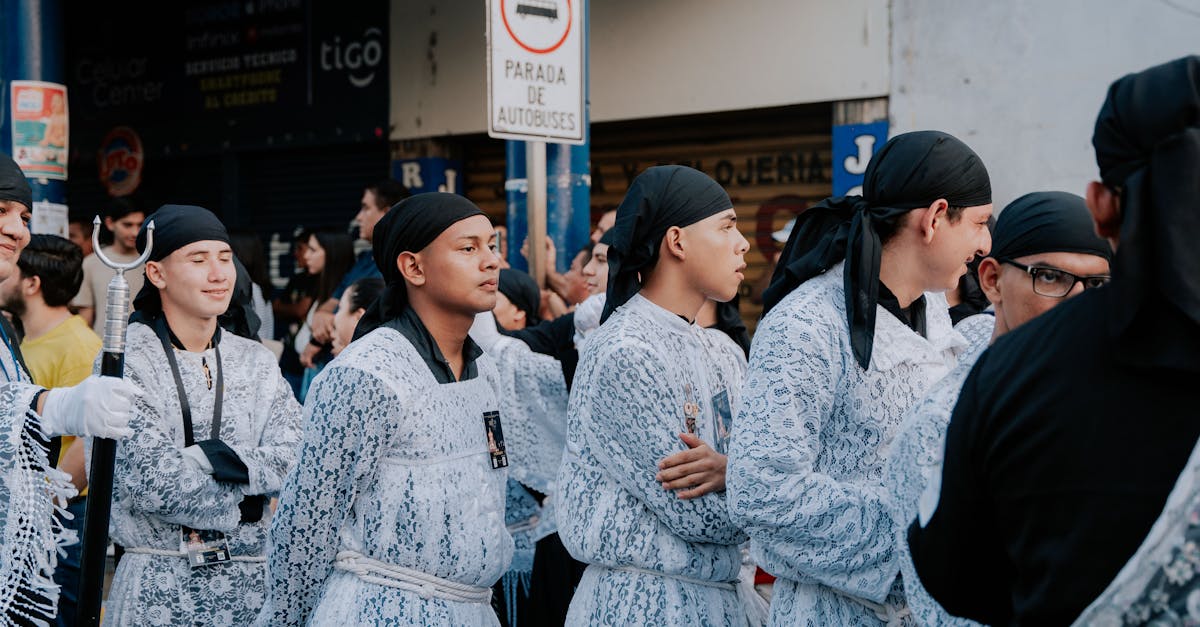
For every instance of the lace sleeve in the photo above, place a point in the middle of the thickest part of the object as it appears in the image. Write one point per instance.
(269, 462)
(632, 425)
(805, 524)
(957, 555)
(152, 475)
(344, 430)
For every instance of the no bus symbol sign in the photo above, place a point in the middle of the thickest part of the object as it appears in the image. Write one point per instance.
(535, 70)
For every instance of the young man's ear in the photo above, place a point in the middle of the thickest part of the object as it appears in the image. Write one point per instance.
(672, 243)
(154, 274)
(989, 279)
(410, 268)
(1105, 205)
(31, 285)
(930, 218)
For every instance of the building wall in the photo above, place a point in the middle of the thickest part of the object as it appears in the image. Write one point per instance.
(649, 58)
(1021, 81)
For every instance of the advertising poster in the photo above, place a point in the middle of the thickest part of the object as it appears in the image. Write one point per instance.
(39, 123)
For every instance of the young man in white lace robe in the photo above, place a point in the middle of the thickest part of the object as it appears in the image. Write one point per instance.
(29, 417)
(395, 512)
(211, 445)
(642, 482)
(1044, 251)
(855, 331)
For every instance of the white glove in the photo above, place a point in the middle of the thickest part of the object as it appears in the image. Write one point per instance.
(97, 407)
(195, 455)
(484, 330)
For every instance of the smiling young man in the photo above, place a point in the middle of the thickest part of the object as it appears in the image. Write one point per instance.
(395, 513)
(30, 416)
(123, 218)
(211, 445)
(646, 402)
(855, 330)
(1044, 251)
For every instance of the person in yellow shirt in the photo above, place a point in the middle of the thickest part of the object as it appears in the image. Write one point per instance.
(59, 349)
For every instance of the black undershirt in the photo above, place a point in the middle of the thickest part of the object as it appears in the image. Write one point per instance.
(912, 316)
(410, 326)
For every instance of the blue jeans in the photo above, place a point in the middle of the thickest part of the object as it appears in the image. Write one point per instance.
(67, 572)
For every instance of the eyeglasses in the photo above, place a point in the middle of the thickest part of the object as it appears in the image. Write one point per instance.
(1057, 283)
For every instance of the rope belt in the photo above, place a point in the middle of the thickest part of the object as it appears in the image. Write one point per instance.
(423, 584)
(891, 616)
(168, 553)
(731, 586)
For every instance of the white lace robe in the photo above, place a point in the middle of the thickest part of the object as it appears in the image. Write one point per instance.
(627, 409)
(533, 403)
(156, 490)
(28, 486)
(394, 466)
(809, 447)
(915, 463)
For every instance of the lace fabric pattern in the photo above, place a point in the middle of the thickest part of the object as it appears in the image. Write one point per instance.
(809, 448)
(915, 466)
(1160, 585)
(533, 398)
(393, 466)
(156, 489)
(644, 377)
(32, 534)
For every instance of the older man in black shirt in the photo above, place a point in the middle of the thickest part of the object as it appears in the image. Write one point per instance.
(1071, 431)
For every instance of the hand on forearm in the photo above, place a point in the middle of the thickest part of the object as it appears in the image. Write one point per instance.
(694, 472)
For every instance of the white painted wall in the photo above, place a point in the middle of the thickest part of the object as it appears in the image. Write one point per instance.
(1021, 81)
(649, 58)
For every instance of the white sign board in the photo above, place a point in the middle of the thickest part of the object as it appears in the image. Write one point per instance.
(535, 70)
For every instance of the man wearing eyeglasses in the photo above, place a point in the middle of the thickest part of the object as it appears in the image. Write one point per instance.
(1071, 431)
(1044, 251)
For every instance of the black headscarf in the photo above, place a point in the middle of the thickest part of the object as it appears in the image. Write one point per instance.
(240, 318)
(1147, 142)
(521, 290)
(175, 226)
(1046, 222)
(13, 184)
(911, 171)
(659, 198)
(410, 226)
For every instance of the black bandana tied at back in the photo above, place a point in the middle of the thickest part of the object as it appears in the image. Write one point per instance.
(521, 290)
(659, 198)
(409, 226)
(175, 226)
(1046, 222)
(13, 184)
(911, 171)
(1147, 142)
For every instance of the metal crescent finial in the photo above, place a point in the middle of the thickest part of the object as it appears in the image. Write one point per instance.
(121, 267)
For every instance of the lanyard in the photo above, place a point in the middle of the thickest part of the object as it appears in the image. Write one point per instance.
(13, 353)
(160, 327)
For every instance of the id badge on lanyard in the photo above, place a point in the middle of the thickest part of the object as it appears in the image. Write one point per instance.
(495, 439)
(204, 547)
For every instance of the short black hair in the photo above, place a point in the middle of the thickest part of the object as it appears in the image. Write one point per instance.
(364, 291)
(58, 263)
(388, 192)
(121, 206)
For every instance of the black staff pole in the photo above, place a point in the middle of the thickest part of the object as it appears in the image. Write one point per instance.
(104, 451)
